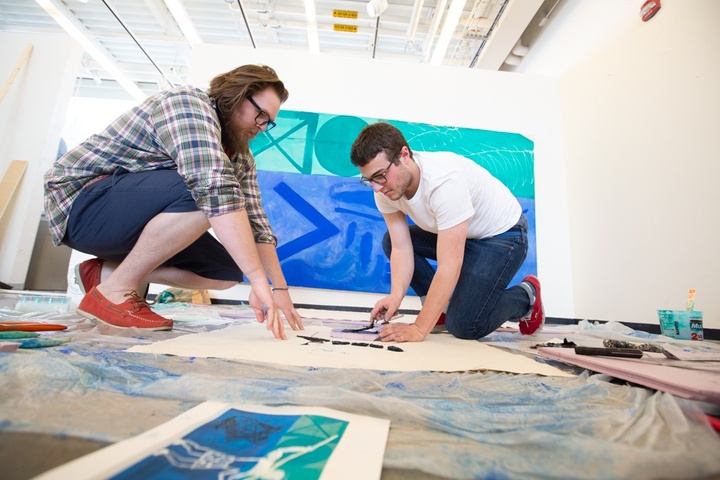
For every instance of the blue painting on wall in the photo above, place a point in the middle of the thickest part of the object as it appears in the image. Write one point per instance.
(328, 227)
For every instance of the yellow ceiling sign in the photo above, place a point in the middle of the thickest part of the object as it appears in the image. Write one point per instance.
(345, 28)
(345, 14)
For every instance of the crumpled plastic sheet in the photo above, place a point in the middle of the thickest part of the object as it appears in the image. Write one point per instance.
(455, 425)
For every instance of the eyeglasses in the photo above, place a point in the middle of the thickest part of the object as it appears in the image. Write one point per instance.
(262, 118)
(379, 178)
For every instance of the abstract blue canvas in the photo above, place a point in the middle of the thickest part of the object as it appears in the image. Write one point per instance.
(328, 228)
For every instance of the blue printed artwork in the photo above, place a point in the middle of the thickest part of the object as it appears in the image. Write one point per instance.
(240, 444)
(328, 227)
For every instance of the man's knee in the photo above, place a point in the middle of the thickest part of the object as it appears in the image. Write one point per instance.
(460, 328)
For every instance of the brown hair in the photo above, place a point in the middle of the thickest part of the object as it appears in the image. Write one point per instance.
(376, 138)
(229, 89)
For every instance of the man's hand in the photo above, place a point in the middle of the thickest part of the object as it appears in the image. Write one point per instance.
(384, 310)
(401, 332)
(283, 300)
(264, 306)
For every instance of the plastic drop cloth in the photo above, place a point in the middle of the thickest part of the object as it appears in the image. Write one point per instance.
(454, 425)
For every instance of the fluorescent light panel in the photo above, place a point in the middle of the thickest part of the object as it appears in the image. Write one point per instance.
(64, 19)
(312, 32)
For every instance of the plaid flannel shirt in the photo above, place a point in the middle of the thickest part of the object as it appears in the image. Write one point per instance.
(175, 129)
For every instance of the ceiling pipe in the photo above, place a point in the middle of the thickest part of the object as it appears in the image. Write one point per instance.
(439, 12)
(414, 21)
(519, 49)
(547, 14)
(375, 41)
(513, 60)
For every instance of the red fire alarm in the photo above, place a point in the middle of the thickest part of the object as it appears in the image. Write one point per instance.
(649, 9)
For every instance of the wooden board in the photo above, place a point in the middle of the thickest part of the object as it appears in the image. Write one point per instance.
(10, 182)
(18, 66)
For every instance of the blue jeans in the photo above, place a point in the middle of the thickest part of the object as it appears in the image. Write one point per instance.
(481, 301)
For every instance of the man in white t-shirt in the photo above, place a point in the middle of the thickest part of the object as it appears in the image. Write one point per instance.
(466, 220)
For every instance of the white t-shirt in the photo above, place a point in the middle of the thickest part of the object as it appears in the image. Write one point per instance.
(454, 189)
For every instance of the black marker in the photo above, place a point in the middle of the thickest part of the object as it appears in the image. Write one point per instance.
(610, 352)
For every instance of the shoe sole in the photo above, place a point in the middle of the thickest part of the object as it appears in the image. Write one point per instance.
(78, 280)
(100, 320)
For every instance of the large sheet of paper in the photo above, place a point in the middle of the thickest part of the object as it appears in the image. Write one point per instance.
(694, 384)
(224, 441)
(439, 352)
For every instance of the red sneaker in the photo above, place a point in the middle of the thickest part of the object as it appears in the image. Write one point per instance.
(87, 274)
(440, 325)
(535, 319)
(134, 312)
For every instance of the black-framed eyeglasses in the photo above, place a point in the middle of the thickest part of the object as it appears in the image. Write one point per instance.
(262, 118)
(379, 178)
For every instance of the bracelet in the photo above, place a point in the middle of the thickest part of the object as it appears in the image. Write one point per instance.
(280, 288)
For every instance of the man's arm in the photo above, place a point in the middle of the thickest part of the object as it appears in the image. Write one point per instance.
(281, 294)
(450, 254)
(402, 264)
(234, 232)
(401, 267)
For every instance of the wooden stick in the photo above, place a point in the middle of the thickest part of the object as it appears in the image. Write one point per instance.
(10, 182)
(15, 71)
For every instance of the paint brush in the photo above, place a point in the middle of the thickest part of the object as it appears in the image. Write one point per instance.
(690, 306)
(22, 326)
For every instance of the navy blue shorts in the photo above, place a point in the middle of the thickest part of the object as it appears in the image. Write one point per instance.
(109, 215)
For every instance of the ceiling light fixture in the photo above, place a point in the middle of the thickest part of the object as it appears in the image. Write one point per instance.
(65, 19)
(375, 8)
(183, 20)
(312, 32)
(451, 22)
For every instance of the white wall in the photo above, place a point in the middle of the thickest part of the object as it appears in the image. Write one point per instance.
(442, 96)
(641, 119)
(31, 118)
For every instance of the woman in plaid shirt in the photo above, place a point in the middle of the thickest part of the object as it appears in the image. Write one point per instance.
(142, 195)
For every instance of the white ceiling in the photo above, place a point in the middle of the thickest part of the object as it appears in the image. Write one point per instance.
(143, 40)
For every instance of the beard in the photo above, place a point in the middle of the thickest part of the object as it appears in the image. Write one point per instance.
(234, 140)
(401, 185)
